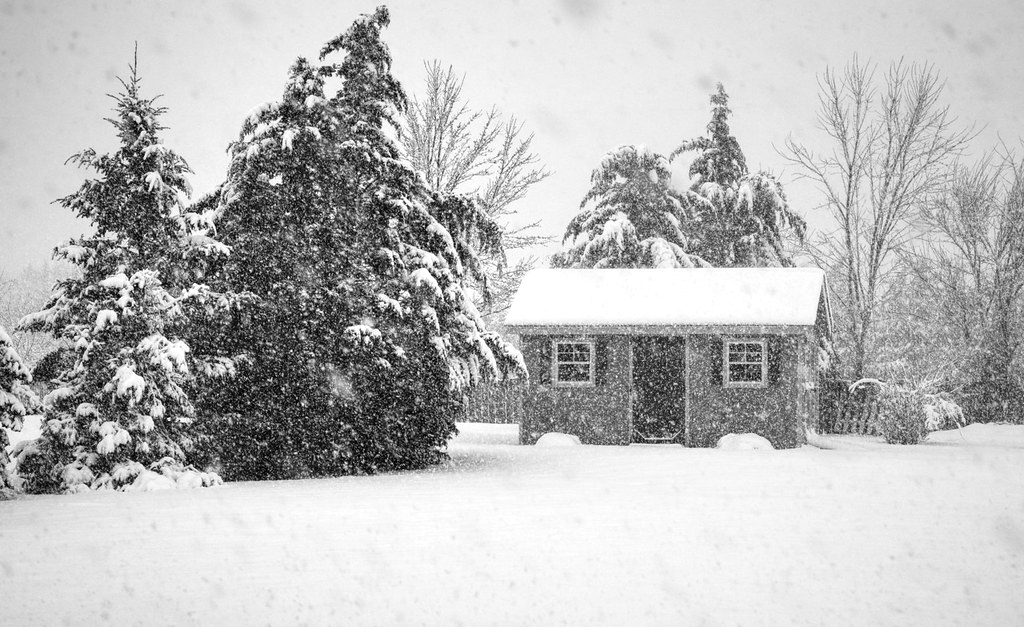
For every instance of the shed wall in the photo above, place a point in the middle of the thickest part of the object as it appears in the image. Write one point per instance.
(777, 412)
(808, 378)
(601, 414)
(597, 415)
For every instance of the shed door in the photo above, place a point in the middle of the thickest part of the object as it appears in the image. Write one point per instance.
(659, 386)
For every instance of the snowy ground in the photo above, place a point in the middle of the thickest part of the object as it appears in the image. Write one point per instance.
(860, 533)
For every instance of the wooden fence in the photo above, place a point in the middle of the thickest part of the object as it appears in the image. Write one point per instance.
(843, 411)
(496, 402)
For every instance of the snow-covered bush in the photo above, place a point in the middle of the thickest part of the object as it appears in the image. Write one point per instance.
(901, 415)
(942, 413)
(910, 409)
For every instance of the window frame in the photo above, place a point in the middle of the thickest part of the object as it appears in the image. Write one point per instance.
(592, 372)
(726, 380)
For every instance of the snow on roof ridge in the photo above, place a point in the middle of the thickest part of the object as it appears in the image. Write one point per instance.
(688, 296)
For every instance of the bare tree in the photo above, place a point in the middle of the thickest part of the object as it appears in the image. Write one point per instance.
(460, 149)
(892, 145)
(971, 268)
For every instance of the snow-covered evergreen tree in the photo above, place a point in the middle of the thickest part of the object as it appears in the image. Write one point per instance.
(17, 400)
(747, 216)
(632, 217)
(361, 340)
(120, 417)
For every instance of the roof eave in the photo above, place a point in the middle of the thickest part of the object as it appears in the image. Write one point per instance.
(658, 329)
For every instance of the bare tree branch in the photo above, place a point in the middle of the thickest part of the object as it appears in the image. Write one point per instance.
(464, 150)
(972, 270)
(891, 149)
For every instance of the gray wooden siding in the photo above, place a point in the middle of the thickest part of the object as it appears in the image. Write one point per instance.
(716, 410)
(597, 415)
(602, 414)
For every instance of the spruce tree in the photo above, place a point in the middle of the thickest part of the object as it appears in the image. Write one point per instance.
(632, 217)
(121, 415)
(17, 400)
(746, 216)
(360, 341)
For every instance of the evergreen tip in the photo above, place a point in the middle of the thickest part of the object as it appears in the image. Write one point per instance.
(379, 19)
(381, 16)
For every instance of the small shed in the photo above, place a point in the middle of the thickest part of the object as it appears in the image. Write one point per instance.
(683, 355)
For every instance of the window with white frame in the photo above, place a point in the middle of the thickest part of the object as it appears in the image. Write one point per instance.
(746, 363)
(574, 362)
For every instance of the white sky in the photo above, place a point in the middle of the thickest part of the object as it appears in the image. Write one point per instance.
(585, 76)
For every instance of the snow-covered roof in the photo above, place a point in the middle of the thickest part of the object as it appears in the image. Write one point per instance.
(680, 297)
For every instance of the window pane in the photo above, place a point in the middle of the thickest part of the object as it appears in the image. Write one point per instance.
(745, 353)
(573, 372)
(572, 352)
(583, 352)
(573, 362)
(745, 373)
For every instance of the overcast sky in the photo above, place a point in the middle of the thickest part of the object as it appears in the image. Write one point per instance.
(584, 75)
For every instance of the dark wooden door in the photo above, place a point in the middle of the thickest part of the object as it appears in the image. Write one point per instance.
(659, 386)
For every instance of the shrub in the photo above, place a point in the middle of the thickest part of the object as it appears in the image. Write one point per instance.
(942, 413)
(902, 418)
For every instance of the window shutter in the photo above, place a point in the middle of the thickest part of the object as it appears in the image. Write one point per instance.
(774, 343)
(544, 376)
(600, 360)
(717, 359)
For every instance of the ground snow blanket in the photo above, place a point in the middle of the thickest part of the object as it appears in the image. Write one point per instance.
(863, 533)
